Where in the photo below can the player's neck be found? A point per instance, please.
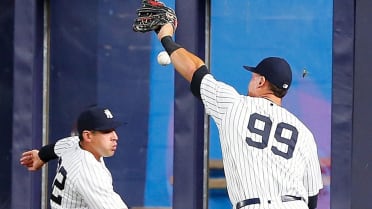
(276, 100)
(264, 91)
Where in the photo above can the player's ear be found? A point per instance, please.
(87, 135)
(261, 81)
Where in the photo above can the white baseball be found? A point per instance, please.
(163, 58)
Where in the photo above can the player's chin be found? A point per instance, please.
(110, 153)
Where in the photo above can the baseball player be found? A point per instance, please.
(82, 179)
(270, 157)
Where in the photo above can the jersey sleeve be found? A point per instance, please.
(95, 186)
(313, 177)
(217, 97)
(65, 144)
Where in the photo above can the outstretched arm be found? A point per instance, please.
(185, 62)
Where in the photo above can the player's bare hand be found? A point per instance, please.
(30, 159)
(166, 30)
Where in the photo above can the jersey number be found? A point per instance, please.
(59, 183)
(265, 134)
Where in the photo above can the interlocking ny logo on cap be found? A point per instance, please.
(108, 113)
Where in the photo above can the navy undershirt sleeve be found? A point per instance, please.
(47, 153)
(196, 81)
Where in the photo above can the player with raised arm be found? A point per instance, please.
(270, 157)
(82, 179)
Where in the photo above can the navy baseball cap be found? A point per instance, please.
(276, 70)
(96, 119)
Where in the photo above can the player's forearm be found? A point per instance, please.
(185, 62)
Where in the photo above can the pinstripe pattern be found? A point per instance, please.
(286, 167)
(88, 183)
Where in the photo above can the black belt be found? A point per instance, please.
(285, 198)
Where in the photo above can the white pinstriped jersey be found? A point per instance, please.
(81, 181)
(267, 151)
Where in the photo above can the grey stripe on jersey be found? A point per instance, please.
(266, 149)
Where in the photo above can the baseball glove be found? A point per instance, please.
(152, 15)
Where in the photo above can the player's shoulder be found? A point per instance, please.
(212, 90)
(66, 145)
